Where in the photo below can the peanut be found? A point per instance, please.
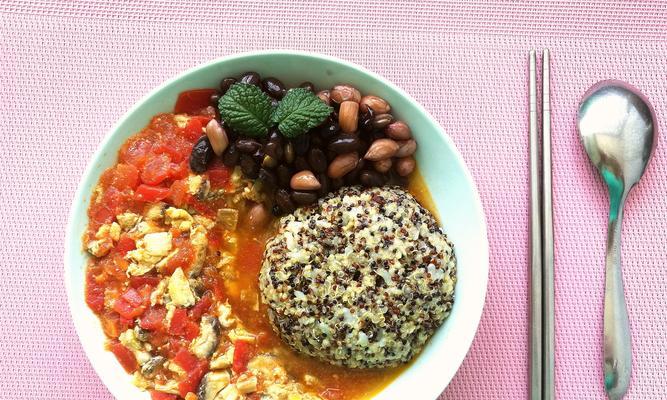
(377, 104)
(381, 149)
(406, 148)
(342, 164)
(217, 136)
(383, 165)
(325, 96)
(398, 130)
(348, 116)
(304, 180)
(405, 166)
(341, 93)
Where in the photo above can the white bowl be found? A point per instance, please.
(441, 165)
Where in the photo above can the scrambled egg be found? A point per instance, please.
(179, 290)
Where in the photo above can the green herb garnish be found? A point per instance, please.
(298, 112)
(246, 109)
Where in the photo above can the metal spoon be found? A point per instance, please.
(617, 127)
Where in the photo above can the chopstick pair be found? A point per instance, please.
(542, 242)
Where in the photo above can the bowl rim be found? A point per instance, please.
(80, 194)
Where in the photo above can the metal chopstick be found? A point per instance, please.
(548, 237)
(536, 240)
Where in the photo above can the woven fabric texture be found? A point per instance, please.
(69, 70)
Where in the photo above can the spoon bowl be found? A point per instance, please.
(617, 127)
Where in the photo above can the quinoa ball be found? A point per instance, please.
(361, 279)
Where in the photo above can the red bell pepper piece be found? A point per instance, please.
(153, 319)
(202, 306)
(125, 357)
(186, 360)
(191, 381)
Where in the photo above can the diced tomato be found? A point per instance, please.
(178, 148)
(126, 176)
(156, 169)
(178, 322)
(202, 306)
(153, 319)
(186, 360)
(218, 175)
(116, 200)
(139, 281)
(125, 244)
(193, 130)
(127, 310)
(192, 101)
(191, 330)
(125, 357)
(132, 297)
(101, 214)
(191, 381)
(178, 193)
(125, 323)
(150, 193)
(135, 151)
(110, 324)
(94, 293)
(180, 170)
(182, 259)
(155, 395)
(242, 354)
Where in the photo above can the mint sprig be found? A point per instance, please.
(298, 112)
(246, 109)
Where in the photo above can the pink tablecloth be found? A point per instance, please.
(69, 70)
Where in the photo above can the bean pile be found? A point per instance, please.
(360, 143)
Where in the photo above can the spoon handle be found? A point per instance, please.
(617, 351)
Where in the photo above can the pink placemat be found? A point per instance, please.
(69, 70)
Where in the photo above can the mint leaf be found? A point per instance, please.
(298, 112)
(246, 109)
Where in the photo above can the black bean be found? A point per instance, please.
(269, 162)
(331, 155)
(274, 134)
(273, 87)
(308, 86)
(284, 175)
(316, 141)
(344, 143)
(215, 98)
(248, 146)
(317, 160)
(337, 183)
(329, 130)
(366, 121)
(268, 179)
(303, 198)
(370, 178)
(284, 201)
(326, 184)
(202, 153)
(289, 152)
(380, 121)
(258, 156)
(274, 149)
(231, 156)
(251, 77)
(301, 164)
(352, 177)
(225, 84)
(301, 144)
(249, 167)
